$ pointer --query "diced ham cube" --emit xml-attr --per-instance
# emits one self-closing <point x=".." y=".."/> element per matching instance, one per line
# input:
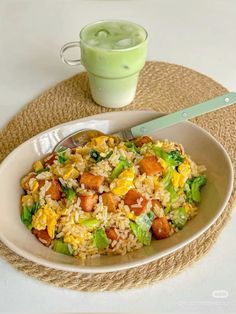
<point x="110" y="201"/>
<point x="131" y="199"/>
<point x="150" y="166"/>
<point x="88" y="202"/>
<point x="161" y="228"/>
<point x="91" y="181"/>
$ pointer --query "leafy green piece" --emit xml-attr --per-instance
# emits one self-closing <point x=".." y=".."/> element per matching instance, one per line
<point x="179" y="217"/>
<point x="69" y="193"/>
<point x="100" y="239"/>
<point x="193" y="187"/>
<point x="144" y="236"/>
<point x="60" y="246"/>
<point x="144" y="221"/>
<point x="26" y="217"/>
<point x="173" y="158"/>
<point x="132" y="147"/>
<point x="42" y="170"/>
<point x="35" y="207"/>
<point x="108" y="155"/>
<point x="95" y="155"/>
<point x="122" y="164"/>
<point x="173" y="193"/>
<point x="176" y="156"/>
<point x="61" y="156"/>
<point x="167" y="209"/>
<point x="89" y="223"/>
<point x="197" y="183"/>
<point x="168" y="177"/>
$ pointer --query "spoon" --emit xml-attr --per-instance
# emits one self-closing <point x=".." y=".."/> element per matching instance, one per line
<point x="81" y="137"/>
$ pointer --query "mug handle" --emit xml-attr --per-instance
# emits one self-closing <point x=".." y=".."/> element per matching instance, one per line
<point x="67" y="46"/>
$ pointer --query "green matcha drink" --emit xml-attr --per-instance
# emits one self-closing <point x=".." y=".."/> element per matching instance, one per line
<point x="113" y="52"/>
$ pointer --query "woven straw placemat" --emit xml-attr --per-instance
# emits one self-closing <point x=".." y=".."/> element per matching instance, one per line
<point x="162" y="87"/>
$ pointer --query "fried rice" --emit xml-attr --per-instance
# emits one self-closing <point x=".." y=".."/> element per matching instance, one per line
<point x="111" y="196"/>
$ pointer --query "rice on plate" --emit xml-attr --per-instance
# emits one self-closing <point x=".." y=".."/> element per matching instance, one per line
<point x="111" y="196"/>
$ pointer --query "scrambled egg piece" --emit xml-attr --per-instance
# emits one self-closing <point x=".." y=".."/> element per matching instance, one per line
<point x="37" y="165"/>
<point x="156" y="182"/>
<point x="27" y="200"/>
<point x="131" y="216"/>
<point x="163" y="163"/>
<point x="69" y="172"/>
<point x="179" y="178"/>
<point x="35" y="186"/>
<point x="100" y="140"/>
<point x="185" y="169"/>
<point x="123" y="183"/>
<point x="187" y="208"/>
<point x="44" y="218"/>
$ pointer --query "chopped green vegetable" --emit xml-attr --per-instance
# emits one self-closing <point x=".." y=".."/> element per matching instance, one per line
<point x="69" y="193"/>
<point x="132" y="147"/>
<point x="173" y="194"/>
<point x="35" y="208"/>
<point x="176" y="156"/>
<point x="122" y="164"/>
<point x="61" y="157"/>
<point x="108" y="155"/>
<point x="144" y="221"/>
<point x="167" y="209"/>
<point x="168" y="177"/>
<point x="144" y="236"/>
<point x="100" y="239"/>
<point x="95" y="155"/>
<point x="60" y="246"/>
<point x="42" y="170"/>
<point x="179" y="217"/>
<point x="90" y="222"/>
<point x="193" y="187"/>
<point x="196" y="186"/>
<point x="26" y="217"/>
<point x="173" y="158"/>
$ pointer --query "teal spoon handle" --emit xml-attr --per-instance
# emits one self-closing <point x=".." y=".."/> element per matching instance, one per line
<point x="184" y="114"/>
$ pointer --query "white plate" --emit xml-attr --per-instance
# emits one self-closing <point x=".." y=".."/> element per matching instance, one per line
<point x="201" y="146"/>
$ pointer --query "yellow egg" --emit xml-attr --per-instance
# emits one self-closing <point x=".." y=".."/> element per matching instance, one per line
<point x="187" y="208"/>
<point x="156" y="182"/>
<point x="35" y="186"/>
<point x="100" y="140"/>
<point x="131" y="216"/>
<point x="178" y="179"/>
<point x="175" y="179"/>
<point x="70" y="172"/>
<point x="37" y="165"/>
<point x="163" y="163"/>
<point x="44" y="218"/>
<point x="27" y="200"/>
<point x="123" y="183"/>
<point x="78" y="240"/>
<point x="185" y="168"/>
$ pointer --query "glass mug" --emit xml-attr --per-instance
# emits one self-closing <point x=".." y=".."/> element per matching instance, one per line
<point x="113" y="52"/>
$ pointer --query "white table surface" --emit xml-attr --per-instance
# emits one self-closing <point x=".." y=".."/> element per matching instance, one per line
<point x="198" y="34"/>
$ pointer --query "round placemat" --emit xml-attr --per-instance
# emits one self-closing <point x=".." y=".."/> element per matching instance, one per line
<point x="162" y="87"/>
